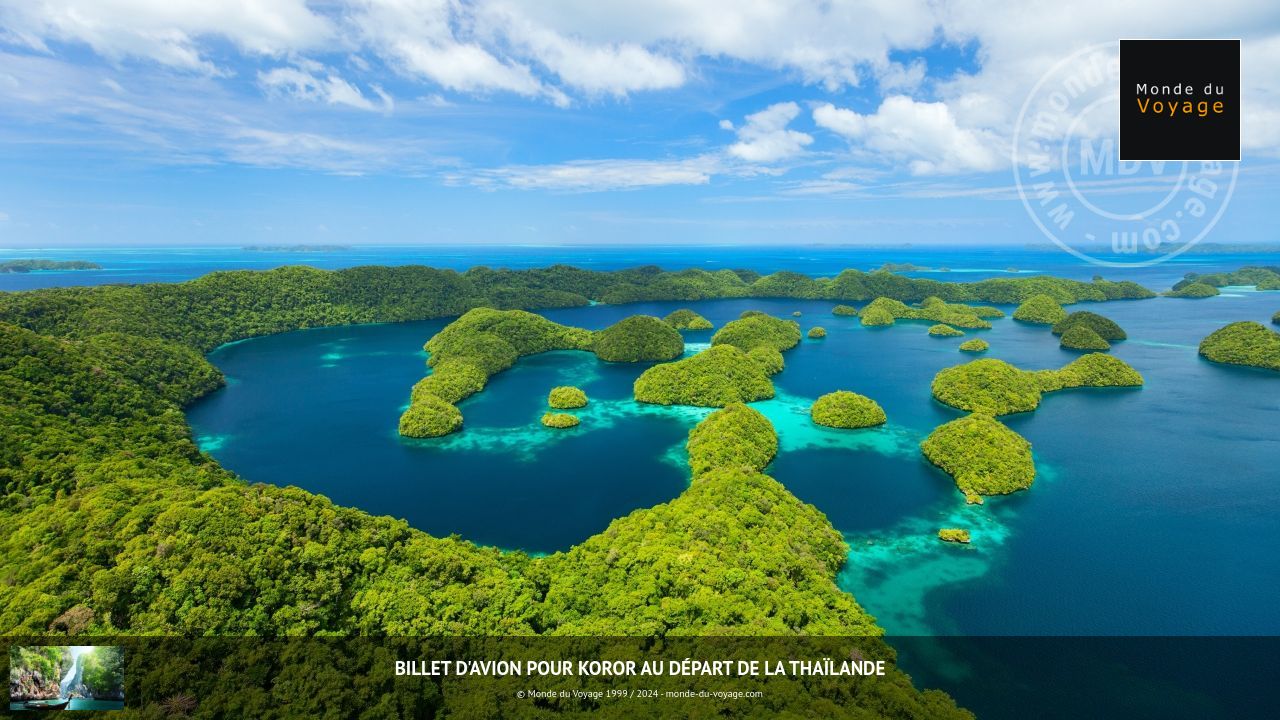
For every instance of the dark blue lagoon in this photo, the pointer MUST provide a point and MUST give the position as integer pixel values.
(1153, 511)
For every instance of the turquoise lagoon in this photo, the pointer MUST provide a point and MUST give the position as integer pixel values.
(1153, 512)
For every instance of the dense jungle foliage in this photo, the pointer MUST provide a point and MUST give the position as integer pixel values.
(718, 376)
(560, 421)
(639, 338)
(1082, 337)
(137, 531)
(733, 437)
(1194, 290)
(1244, 343)
(1264, 277)
(686, 319)
(225, 306)
(941, 330)
(755, 329)
(1041, 310)
(976, 345)
(566, 397)
(885, 310)
(844, 409)
(1106, 328)
(984, 456)
(995, 387)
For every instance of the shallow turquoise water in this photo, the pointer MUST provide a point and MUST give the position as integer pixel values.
(1153, 513)
(78, 704)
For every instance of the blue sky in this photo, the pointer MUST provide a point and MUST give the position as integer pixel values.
(167, 122)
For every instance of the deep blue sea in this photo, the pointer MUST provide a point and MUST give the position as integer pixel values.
(1154, 511)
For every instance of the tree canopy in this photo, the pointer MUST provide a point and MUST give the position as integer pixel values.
(984, 456)
(639, 338)
(1243, 343)
(686, 319)
(844, 409)
(941, 330)
(1040, 309)
(1082, 337)
(718, 376)
(566, 397)
(1105, 328)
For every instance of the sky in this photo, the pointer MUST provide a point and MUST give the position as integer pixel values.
(544, 122)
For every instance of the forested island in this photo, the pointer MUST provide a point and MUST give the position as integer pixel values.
(1244, 343)
(1261, 277)
(26, 266)
(844, 409)
(140, 532)
(995, 387)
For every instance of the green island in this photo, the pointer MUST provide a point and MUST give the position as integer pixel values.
(754, 329)
(566, 397)
(875, 317)
(33, 265)
(735, 436)
(429, 416)
(1262, 277)
(686, 319)
(451, 381)
(718, 376)
(1040, 310)
(941, 330)
(639, 338)
(1094, 370)
(984, 456)
(954, 535)
(844, 311)
(844, 409)
(468, 351)
(1244, 343)
(142, 533)
(1082, 337)
(1105, 328)
(817, 332)
(1194, 290)
(768, 358)
(1275, 319)
(976, 345)
(884, 311)
(559, 420)
(995, 387)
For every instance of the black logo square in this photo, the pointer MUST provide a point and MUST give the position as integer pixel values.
(1179, 99)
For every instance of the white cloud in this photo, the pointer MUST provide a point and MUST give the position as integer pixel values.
(319, 84)
(923, 135)
(764, 136)
(4, 217)
(598, 175)
(419, 38)
(615, 68)
(558, 51)
(191, 120)
(166, 31)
